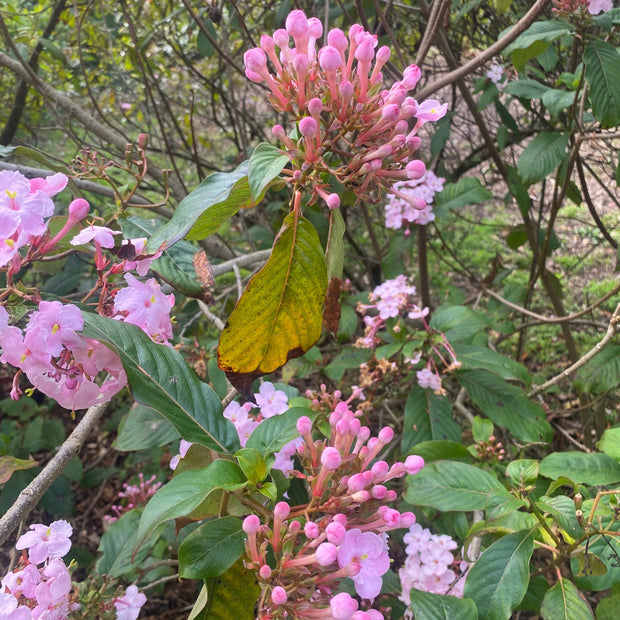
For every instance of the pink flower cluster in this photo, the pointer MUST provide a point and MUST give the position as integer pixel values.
(76, 371)
(399, 209)
(341, 107)
(301, 554)
(133, 496)
(390, 299)
(58, 361)
(430, 566)
(24, 206)
(40, 587)
(569, 7)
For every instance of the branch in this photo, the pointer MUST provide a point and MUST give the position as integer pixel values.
(521, 26)
(595, 350)
(78, 113)
(31, 495)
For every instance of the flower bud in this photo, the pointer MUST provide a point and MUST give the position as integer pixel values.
(279, 596)
(333, 201)
(336, 38)
(413, 464)
(315, 106)
(326, 554)
(251, 524)
(343, 606)
(415, 169)
(78, 209)
(311, 530)
(335, 533)
(330, 59)
(281, 510)
(265, 572)
(304, 425)
(411, 75)
(308, 127)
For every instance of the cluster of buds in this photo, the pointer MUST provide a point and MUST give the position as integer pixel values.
(133, 496)
(490, 450)
(303, 553)
(349, 126)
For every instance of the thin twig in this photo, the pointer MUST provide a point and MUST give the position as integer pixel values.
(31, 495)
(595, 350)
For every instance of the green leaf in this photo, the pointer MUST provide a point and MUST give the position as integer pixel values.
(564, 602)
(202, 211)
(610, 443)
(542, 156)
(498, 580)
(506, 405)
(160, 378)
(211, 549)
(233, 595)
(592, 468)
(116, 546)
(272, 434)
(185, 492)
(467, 191)
(473, 357)
(607, 609)
(205, 47)
(334, 255)
(142, 427)
(266, 163)
(252, 464)
(518, 191)
(458, 323)
(428, 606)
(602, 73)
(522, 472)
(534, 41)
(9, 464)
(602, 372)
(438, 450)
(526, 89)
(279, 316)
(447, 485)
(349, 357)
(428, 416)
(481, 429)
(607, 549)
(558, 100)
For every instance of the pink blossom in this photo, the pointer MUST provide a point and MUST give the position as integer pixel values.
(22, 582)
(99, 234)
(183, 448)
(144, 305)
(597, 6)
(369, 551)
(431, 110)
(428, 379)
(128, 606)
(343, 606)
(9, 609)
(46, 542)
(271, 401)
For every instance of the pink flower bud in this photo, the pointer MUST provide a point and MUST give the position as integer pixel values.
(346, 89)
(304, 425)
(278, 132)
(265, 572)
(335, 532)
(296, 24)
(390, 112)
(383, 55)
(413, 464)
(315, 106)
(336, 38)
(378, 491)
(279, 596)
(379, 470)
(360, 497)
(411, 76)
(413, 142)
(311, 530)
(78, 209)
(326, 554)
(281, 38)
(251, 524)
(330, 58)
(294, 527)
(343, 606)
(356, 483)
(267, 43)
(354, 30)
(333, 201)
(331, 458)
(391, 495)
(407, 519)
(255, 60)
(340, 518)
(281, 510)
(415, 169)
(365, 51)
(315, 28)
(308, 127)
(386, 434)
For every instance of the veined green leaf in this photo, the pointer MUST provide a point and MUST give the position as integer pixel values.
(542, 156)
(266, 163)
(564, 602)
(592, 468)
(160, 378)
(602, 74)
(428, 606)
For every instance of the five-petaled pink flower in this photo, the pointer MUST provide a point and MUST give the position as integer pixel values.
(45, 542)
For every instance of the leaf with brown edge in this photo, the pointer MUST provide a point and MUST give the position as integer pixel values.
(10, 464)
(279, 316)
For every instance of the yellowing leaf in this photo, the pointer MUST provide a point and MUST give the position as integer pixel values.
(279, 315)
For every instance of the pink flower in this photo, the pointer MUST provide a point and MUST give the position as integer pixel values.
(343, 606)
(128, 606)
(428, 379)
(99, 234)
(183, 448)
(23, 581)
(45, 542)
(9, 610)
(431, 110)
(597, 6)
(144, 305)
(271, 401)
(369, 551)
